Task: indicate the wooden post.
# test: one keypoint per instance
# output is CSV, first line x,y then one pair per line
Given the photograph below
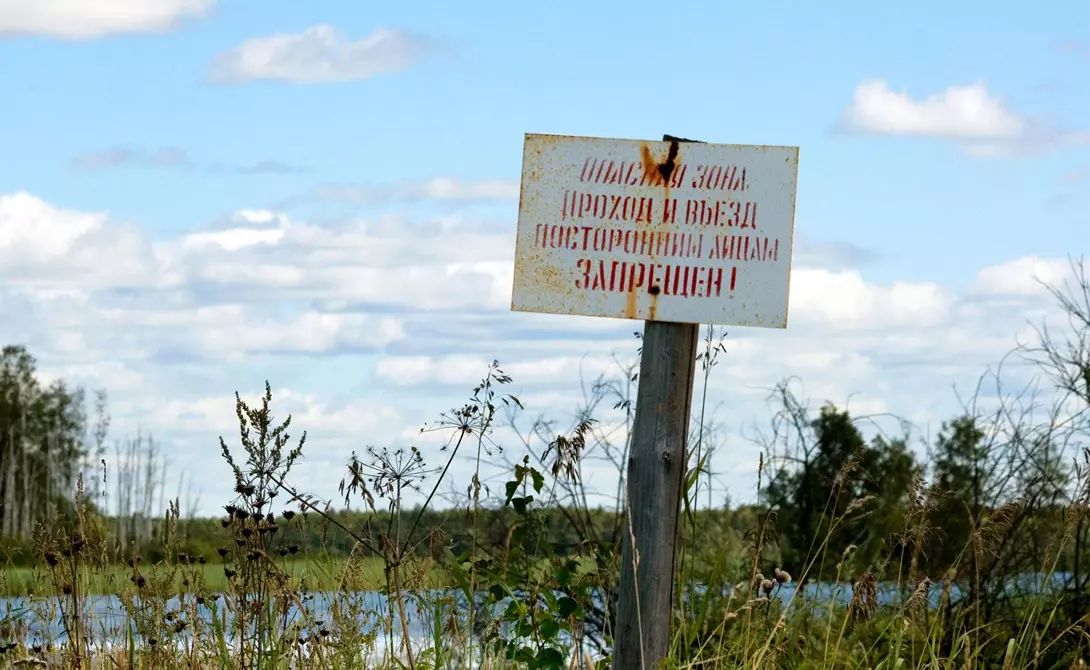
x,y
656,468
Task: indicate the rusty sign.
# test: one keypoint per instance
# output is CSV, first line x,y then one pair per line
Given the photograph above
x,y
658,231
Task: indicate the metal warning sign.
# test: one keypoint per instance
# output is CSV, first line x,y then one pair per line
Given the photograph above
x,y
674,231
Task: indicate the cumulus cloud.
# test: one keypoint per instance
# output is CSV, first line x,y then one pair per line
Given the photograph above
x,y
959,111
320,54
969,114
1029,276
46,246
443,188
96,18
369,328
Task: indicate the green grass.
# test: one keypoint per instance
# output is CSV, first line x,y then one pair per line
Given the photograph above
x,y
320,574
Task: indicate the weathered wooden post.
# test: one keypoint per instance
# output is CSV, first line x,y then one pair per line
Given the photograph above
x,y
668,233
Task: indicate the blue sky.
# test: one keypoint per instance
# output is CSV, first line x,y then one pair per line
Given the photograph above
x,y
943,161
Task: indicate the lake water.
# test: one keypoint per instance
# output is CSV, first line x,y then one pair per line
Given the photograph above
x,y
41,620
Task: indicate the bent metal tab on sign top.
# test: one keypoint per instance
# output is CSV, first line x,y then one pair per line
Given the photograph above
x,y
686,232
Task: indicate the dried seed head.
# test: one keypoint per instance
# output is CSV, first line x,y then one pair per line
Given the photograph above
x,y
918,599
864,597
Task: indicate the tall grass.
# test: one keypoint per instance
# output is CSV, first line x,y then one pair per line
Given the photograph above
x,y
392,604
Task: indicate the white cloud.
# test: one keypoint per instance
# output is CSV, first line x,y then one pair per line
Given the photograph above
x,y
368,329
465,371
309,412
960,111
82,19
434,189
969,114
42,245
233,332
859,304
319,54
234,238
1026,276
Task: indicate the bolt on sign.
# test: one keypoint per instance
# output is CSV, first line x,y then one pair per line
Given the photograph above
x,y
685,232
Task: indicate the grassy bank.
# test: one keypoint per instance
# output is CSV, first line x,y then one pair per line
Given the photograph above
x,y
316,574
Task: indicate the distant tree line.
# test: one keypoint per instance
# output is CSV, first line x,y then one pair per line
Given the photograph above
x,y
43,443
53,449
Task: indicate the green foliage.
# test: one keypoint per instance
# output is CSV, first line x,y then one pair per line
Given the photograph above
x,y
831,485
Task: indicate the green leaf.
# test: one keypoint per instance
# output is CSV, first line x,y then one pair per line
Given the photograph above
x,y
550,598
563,576
539,480
567,607
585,565
520,504
549,628
549,658
514,610
525,655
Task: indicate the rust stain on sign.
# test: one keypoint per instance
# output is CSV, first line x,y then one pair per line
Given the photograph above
x,y
665,169
630,302
553,279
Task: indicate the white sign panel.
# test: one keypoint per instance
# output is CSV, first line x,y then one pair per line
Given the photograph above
x,y
660,231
